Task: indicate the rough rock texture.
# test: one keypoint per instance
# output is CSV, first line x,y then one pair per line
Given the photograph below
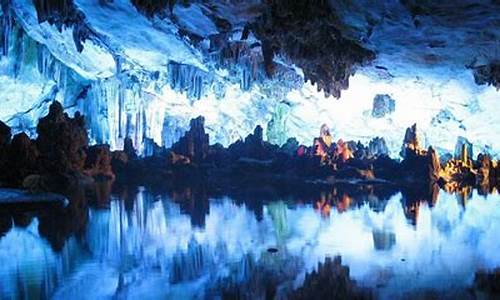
x,y
485,172
5,135
63,13
195,143
61,141
253,147
307,32
290,147
98,162
128,148
418,164
383,105
410,141
22,160
152,7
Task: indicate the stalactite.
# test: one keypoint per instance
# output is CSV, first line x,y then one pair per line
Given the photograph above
x,y
189,79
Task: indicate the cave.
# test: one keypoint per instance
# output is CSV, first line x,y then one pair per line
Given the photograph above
x,y
249,149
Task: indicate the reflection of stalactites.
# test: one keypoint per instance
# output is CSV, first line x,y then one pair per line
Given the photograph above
x,y
331,280
464,194
411,211
344,203
193,202
324,204
383,240
189,265
434,190
278,210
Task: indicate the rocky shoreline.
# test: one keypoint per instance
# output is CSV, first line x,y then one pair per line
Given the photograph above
x,y
60,159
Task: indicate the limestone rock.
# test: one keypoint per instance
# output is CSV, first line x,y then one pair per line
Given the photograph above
x,y
410,142
310,36
128,148
5,135
195,143
22,159
463,149
61,141
253,146
98,162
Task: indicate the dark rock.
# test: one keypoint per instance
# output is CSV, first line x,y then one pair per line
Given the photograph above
x,y
253,147
98,162
22,159
177,159
219,155
309,34
195,143
128,148
61,141
488,74
434,165
290,147
484,170
119,161
383,105
5,135
63,13
488,281
153,7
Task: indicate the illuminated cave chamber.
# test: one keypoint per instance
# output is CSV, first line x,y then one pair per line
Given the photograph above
x,y
143,71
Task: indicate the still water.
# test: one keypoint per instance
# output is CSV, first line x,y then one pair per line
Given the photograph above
x,y
181,245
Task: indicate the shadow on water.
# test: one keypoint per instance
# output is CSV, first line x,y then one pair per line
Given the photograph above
x,y
252,241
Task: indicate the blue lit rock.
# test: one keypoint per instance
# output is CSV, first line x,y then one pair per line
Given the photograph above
x,y
383,105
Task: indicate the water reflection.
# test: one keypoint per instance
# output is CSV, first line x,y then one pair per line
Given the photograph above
x,y
188,243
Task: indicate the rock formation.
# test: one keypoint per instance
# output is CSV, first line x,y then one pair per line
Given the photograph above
x,y
61,141
378,147
418,164
253,147
463,150
309,34
5,135
195,143
22,160
98,162
410,142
